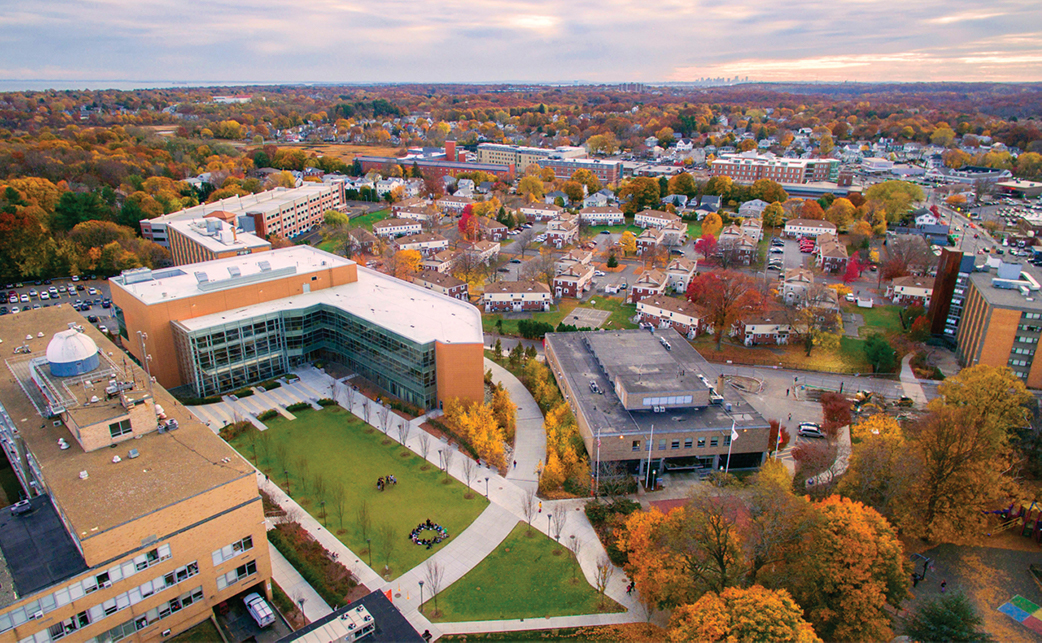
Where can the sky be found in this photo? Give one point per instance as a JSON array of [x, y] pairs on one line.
[[443, 41]]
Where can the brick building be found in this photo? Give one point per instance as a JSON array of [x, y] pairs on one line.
[[516, 296], [443, 283], [573, 281], [677, 313]]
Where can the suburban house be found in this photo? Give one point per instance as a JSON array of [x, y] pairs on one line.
[[654, 218], [554, 196], [443, 261], [709, 203], [574, 281], [650, 282], [426, 243], [678, 201], [365, 240], [516, 296], [602, 215], [753, 228], [679, 273], [396, 227], [483, 251], [770, 327], [908, 291], [416, 204], [739, 247], [444, 283], [574, 257], [677, 313], [492, 230], [675, 234], [795, 284], [808, 227], [831, 254], [752, 208], [453, 204], [541, 211], [924, 217], [650, 239], [561, 232], [420, 213], [596, 200]]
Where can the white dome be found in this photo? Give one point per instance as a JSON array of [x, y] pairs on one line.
[[71, 347]]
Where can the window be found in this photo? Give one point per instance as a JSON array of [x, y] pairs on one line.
[[636, 445], [661, 445], [120, 428], [687, 443], [675, 444], [701, 443], [727, 440], [231, 551], [713, 442], [237, 574]]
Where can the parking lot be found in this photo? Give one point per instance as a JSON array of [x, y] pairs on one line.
[[39, 294]]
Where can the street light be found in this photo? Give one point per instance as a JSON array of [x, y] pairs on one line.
[[302, 601], [486, 488], [549, 519], [369, 549], [421, 597]]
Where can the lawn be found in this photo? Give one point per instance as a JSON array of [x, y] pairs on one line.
[[850, 358], [343, 151], [694, 230], [367, 220], [337, 445], [619, 319], [885, 319], [205, 632], [522, 578]]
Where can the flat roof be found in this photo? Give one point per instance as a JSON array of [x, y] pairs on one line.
[[170, 467], [402, 307], [1009, 297], [219, 237], [239, 205], [641, 362], [605, 414], [151, 287], [37, 548], [391, 625]]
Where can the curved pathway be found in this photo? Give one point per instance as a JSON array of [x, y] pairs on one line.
[[529, 438]]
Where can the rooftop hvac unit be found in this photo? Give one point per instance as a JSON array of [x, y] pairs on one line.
[[233, 271]]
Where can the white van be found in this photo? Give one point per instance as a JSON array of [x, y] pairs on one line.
[[259, 609]]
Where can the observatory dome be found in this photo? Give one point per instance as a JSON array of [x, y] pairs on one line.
[[72, 353]]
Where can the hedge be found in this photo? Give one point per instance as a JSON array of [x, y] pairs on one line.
[[327, 402], [270, 414], [329, 578], [298, 406]]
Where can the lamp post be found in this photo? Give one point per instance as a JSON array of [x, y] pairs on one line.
[[369, 549], [421, 597], [301, 601], [441, 459], [486, 488], [285, 472], [651, 442], [549, 519]]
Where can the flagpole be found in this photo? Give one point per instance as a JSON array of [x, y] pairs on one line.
[[651, 441], [727, 467]]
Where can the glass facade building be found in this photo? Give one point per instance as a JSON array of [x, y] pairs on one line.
[[227, 356]]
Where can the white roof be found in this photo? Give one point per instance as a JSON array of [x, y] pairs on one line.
[[406, 309], [70, 346], [154, 286], [216, 235]]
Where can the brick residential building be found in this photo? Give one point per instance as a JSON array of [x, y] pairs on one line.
[[680, 272], [649, 240], [573, 281], [607, 215], [541, 212], [911, 291], [677, 313], [562, 232], [389, 228], [808, 227], [564, 168], [426, 243], [749, 167], [443, 261], [654, 218], [492, 230], [576, 256], [453, 205], [516, 296], [650, 282], [444, 283], [830, 254]]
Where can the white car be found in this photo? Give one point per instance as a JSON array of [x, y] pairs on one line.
[[810, 430], [776, 250], [849, 296], [598, 273], [259, 609]]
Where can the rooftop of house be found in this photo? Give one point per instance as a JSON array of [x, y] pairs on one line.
[[391, 625], [170, 466], [515, 287], [190, 280]]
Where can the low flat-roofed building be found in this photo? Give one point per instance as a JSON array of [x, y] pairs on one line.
[[228, 323], [808, 227], [1021, 187], [132, 499], [372, 618], [635, 389], [203, 239]]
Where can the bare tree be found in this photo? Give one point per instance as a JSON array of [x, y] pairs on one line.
[[386, 537], [364, 520], [281, 456], [425, 445], [558, 516], [264, 441], [468, 471], [576, 545], [336, 390], [302, 471], [434, 574], [528, 507], [403, 430], [523, 240], [338, 496], [605, 570], [542, 268], [318, 486], [351, 395], [447, 455], [383, 414], [367, 408], [615, 480]]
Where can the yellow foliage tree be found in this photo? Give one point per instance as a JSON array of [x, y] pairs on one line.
[[742, 614], [712, 224], [628, 242]]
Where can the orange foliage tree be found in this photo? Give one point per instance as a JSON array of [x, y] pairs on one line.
[[737, 614]]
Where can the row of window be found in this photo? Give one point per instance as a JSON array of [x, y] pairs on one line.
[[1027, 340], [237, 574], [675, 444], [1024, 351], [164, 610], [79, 589], [668, 401], [231, 551], [120, 428], [1019, 362]]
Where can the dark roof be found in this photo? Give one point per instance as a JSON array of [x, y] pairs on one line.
[[37, 548], [391, 626]]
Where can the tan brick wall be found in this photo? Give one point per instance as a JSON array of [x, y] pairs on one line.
[[155, 319], [461, 371], [96, 436], [998, 338]]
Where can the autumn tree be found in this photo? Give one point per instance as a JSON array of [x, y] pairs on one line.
[[773, 215], [404, 264], [905, 255], [896, 197], [639, 193], [811, 209], [882, 467], [587, 179], [949, 617], [779, 519], [661, 577], [768, 190], [605, 143], [726, 296], [841, 212], [683, 183], [628, 243], [706, 245], [835, 412], [851, 568], [741, 614]]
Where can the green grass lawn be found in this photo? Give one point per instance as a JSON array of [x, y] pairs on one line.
[[205, 632], [694, 230], [619, 319], [336, 444], [522, 578], [884, 319], [367, 220]]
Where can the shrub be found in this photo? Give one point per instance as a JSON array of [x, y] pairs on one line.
[[299, 406], [233, 431], [531, 329], [270, 414], [331, 579], [327, 402], [270, 385], [606, 518], [243, 392]]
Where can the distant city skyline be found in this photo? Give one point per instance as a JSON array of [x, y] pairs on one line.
[[135, 44]]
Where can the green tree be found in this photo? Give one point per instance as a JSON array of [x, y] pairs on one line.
[[77, 207], [335, 218], [774, 215], [880, 354], [896, 197], [950, 617]]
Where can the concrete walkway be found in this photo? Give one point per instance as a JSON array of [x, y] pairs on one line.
[[910, 383], [296, 587], [529, 438]]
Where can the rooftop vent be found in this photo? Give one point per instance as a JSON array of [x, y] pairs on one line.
[[133, 454], [84, 475], [264, 266], [201, 277]]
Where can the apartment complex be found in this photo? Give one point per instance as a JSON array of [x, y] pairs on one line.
[[435, 168], [228, 323], [949, 292], [195, 240], [521, 157], [282, 211], [1002, 321], [749, 167], [139, 521], [641, 397], [564, 168]]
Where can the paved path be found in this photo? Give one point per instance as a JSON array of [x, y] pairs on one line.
[[296, 587], [529, 438], [910, 383]]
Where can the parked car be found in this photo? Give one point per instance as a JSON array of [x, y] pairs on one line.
[[778, 251], [259, 610], [810, 430], [598, 273], [849, 296], [515, 261]]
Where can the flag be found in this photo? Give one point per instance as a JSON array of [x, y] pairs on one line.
[[734, 434]]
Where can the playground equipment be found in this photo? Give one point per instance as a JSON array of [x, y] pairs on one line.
[[1022, 515]]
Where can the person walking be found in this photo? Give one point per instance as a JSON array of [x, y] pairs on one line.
[[944, 586], [515, 464], [540, 506], [786, 392]]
